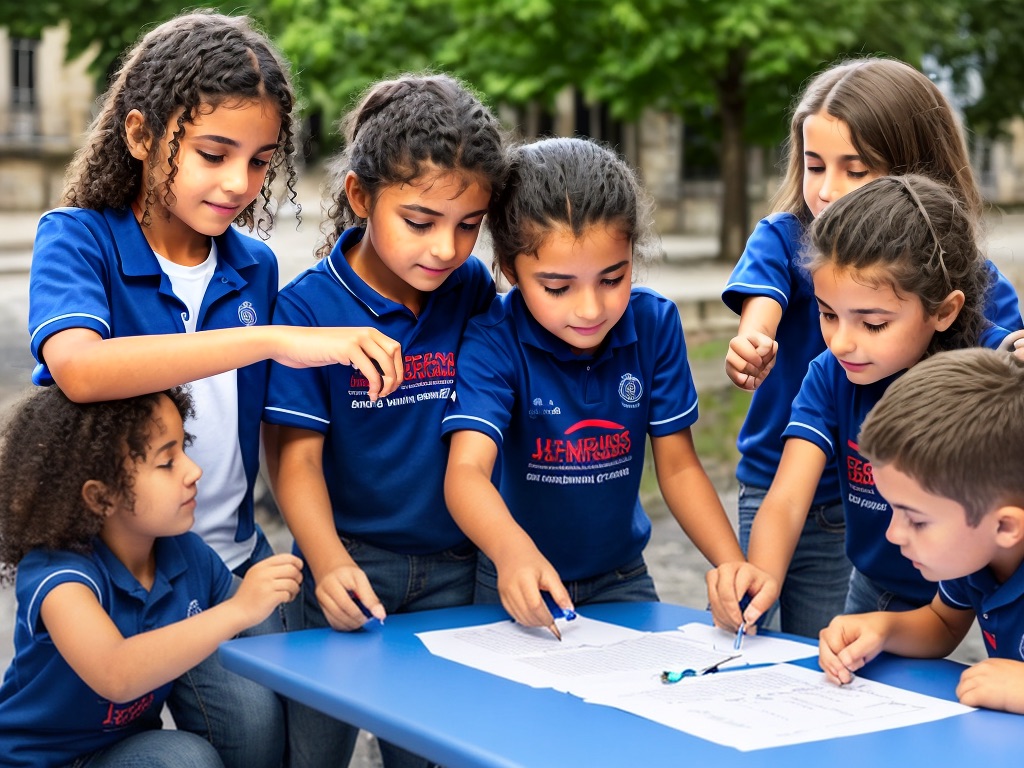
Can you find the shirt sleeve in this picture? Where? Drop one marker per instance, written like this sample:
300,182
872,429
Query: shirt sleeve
814,417
954,595
765,266
297,397
39,573
1002,306
68,279
673,394
485,383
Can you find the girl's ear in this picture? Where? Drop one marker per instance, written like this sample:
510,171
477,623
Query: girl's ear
97,498
948,310
509,273
358,196
137,135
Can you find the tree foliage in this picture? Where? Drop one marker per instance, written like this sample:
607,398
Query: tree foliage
732,65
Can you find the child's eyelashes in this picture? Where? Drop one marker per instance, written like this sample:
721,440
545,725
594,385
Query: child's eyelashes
611,282
423,226
208,157
873,328
556,291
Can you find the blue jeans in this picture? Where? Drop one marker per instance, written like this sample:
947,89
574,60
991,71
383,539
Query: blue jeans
404,583
629,584
155,749
866,595
819,574
243,720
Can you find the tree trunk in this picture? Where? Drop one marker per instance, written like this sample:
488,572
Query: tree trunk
735,213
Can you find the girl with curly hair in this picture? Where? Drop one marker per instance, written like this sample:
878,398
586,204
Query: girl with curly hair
141,284
116,598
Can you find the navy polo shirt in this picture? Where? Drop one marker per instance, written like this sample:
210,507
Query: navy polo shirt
999,608
48,715
828,412
94,269
384,462
571,429
770,266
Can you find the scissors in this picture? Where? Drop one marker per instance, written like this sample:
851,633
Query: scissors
674,677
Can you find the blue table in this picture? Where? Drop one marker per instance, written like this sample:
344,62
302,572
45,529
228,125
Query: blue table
384,680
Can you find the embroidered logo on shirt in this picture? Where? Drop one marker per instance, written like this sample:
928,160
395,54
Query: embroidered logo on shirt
193,608
246,313
630,390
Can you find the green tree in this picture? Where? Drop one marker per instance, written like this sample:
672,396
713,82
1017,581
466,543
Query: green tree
740,60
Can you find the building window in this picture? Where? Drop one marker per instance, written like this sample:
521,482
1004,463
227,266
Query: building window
23,73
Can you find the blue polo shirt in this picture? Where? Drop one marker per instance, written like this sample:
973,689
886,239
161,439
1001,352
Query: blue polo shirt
770,266
94,269
48,715
828,412
999,608
571,429
384,462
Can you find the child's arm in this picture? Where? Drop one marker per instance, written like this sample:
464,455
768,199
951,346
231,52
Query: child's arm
773,538
301,493
752,350
89,368
481,513
692,499
124,668
931,632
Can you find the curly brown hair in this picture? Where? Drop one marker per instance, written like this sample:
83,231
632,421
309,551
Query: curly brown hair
49,448
190,63
401,125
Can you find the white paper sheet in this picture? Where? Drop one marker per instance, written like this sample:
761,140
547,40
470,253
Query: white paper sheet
774,706
741,707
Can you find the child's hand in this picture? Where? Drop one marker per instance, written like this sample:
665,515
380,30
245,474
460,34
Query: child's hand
850,642
267,584
750,359
520,582
1014,343
731,582
337,593
993,684
376,356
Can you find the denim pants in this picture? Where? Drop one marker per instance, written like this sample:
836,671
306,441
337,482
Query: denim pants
818,578
404,583
629,584
866,596
243,720
155,749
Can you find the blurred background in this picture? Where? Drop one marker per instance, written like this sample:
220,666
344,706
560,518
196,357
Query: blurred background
695,93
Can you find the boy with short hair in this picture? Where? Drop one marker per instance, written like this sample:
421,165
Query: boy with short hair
945,444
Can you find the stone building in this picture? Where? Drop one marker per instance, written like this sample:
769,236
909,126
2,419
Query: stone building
45,107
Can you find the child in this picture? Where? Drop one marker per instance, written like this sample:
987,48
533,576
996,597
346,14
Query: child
559,385
360,481
854,122
141,284
115,597
897,276
945,444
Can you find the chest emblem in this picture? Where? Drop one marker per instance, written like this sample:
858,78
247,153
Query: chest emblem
631,389
247,313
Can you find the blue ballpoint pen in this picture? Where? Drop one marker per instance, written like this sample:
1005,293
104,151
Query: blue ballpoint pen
743,624
362,608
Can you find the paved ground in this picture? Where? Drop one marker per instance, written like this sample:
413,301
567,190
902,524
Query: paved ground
686,274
